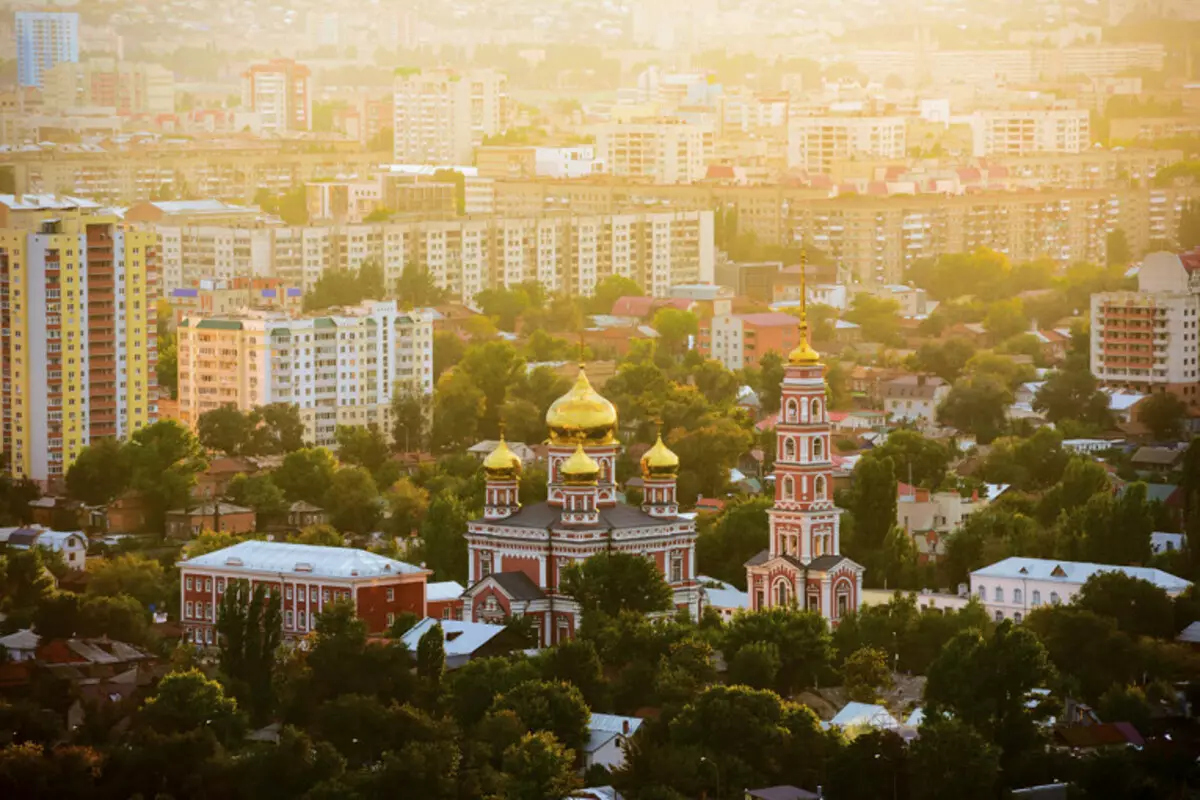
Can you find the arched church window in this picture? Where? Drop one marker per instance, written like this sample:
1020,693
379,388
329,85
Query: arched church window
819,488
789,449
818,447
792,411
816,410
789,488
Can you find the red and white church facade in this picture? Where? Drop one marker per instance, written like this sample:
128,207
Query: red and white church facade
517,554
803,567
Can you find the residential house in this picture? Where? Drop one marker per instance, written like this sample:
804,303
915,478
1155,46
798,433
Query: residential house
915,398
184,523
1054,342
444,600
867,384
707,300
930,517
301,515
126,514
724,598
1156,459
741,340
607,735
483,449
864,715
73,545
1170,496
465,641
214,480
1011,588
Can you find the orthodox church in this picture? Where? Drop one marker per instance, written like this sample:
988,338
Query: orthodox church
516,554
802,565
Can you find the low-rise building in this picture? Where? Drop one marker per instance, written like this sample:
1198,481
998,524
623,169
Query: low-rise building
73,545
185,523
307,578
444,600
740,340
465,641
607,738
929,517
914,398
1011,588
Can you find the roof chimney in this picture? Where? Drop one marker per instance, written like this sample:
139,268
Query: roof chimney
625,727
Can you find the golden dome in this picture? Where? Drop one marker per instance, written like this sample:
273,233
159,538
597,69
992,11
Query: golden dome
659,461
582,416
502,463
804,355
580,469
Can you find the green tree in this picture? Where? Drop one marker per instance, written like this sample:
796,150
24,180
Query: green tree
164,460
442,532
872,765
865,673
872,502
611,289
407,505
448,350
951,761
756,665
320,535
977,405
353,501
915,459
986,683
576,662
539,768
305,475
878,318
1163,413
258,492
614,581
674,327
726,542
1137,606
277,430
166,368
802,638
1125,704
250,626
1005,318
1117,252
188,701
898,560
416,287
431,658
409,420
1072,393
225,429
458,407
770,381
556,708
362,445
99,474
132,574
707,453
945,359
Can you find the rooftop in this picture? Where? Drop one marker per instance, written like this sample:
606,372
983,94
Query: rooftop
460,638
324,562
1075,572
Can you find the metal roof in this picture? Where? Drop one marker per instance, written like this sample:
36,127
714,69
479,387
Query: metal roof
303,559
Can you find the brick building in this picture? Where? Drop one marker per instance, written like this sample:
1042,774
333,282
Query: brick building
308,576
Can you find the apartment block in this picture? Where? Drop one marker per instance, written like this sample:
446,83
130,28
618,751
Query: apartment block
441,115
1149,340
44,38
740,340
816,142
221,297
465,255
663,150
1022,132
126,86
232,173
340,368
280,92
77,331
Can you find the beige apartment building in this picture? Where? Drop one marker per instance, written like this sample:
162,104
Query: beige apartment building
566,253
229,173
128,87
340,368
440,115
876,238
816,142
1149,340
1022,132
659,150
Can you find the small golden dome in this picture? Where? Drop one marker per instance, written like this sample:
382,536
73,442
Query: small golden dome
502,463
804,355
580,469
582,415
659,461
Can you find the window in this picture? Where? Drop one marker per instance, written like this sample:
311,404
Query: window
816,410
290,619
220,585
391,594
983,593
312,594
789,488
188,610
208,584
189,583
390,618
289,593
1017,617
789,449
1017,596
325,596
208,639
676,567
485,563
819,488
999,596
446,612
1054,598
1037,597
999,616
818,448
843,602
208,611
791,411
781,593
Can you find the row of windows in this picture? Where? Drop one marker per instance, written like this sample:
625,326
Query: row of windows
1017,596
327,595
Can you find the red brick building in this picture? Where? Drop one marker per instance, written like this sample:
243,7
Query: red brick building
308,577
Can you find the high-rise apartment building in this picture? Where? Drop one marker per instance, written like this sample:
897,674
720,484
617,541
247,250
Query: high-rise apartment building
77,331
340,368
280,91
127,86
815,142
1149,340
441,115
1023,132
662,150
44,38
564,252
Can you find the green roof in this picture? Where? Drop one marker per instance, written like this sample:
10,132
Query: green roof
324,322
221,324
281,332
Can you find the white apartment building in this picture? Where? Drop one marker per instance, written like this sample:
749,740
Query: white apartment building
567,162
280,93
1023,132
815,142
914,398
664,150
441,115
341,368
1011,588
1149,340
565,253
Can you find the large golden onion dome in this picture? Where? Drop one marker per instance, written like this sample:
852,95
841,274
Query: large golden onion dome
582,416
804,355
659,461
502,463
580,469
